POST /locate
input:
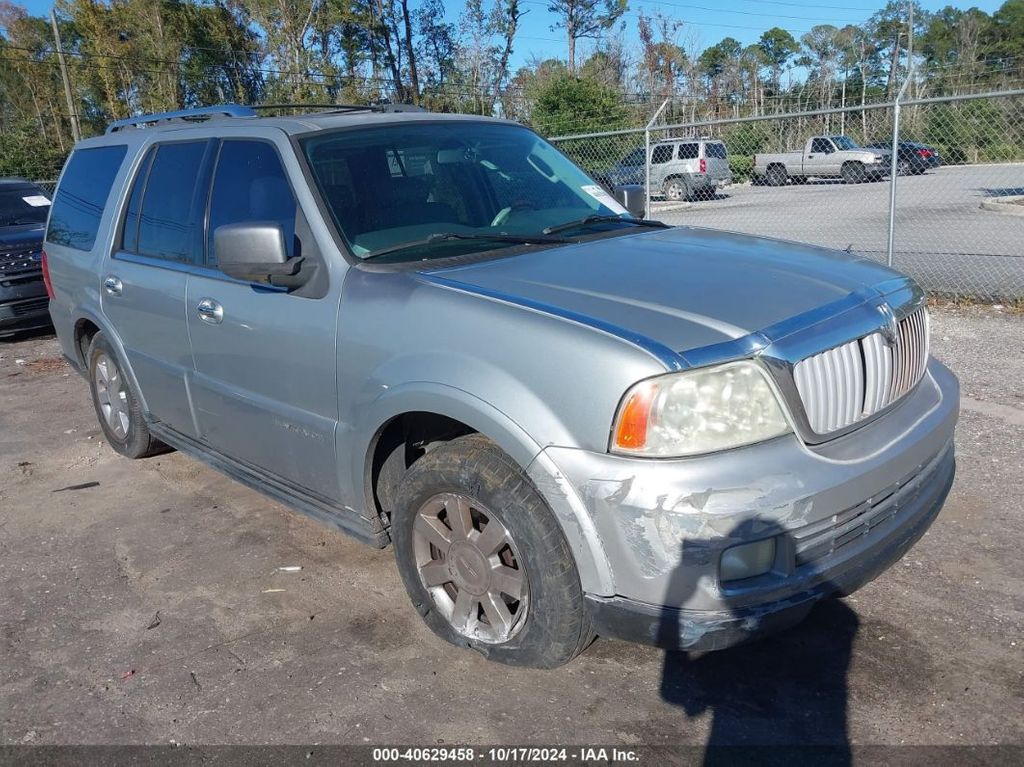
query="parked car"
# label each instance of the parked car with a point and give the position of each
(23, 301)
(823, 157)
(435, 332)
(913, 157)
(680, 168)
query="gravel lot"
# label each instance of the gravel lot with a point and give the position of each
(943, 237)
(141, 602)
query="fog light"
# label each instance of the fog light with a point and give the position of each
(748, 560)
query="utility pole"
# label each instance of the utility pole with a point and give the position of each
(76, 132)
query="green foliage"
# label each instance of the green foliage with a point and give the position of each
(26, 152)
(742, 167)
(568, 104)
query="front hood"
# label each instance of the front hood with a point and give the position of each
(684, 288)
(20, 237)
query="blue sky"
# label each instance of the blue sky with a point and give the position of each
(706, 21)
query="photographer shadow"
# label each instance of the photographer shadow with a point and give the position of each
(788, 691)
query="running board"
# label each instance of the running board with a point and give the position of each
(347, 521)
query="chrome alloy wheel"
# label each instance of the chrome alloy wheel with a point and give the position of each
(468, 562)
(112, 395)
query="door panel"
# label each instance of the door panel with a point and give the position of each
(149, 316)
(264, 386)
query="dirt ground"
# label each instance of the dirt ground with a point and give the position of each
(142, 602)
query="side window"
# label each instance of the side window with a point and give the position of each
(661, 154)
(250, 185)
(130, 230)
(822, 145)
(636, 157)
(689, 151)
(81, 196)
(169, 222)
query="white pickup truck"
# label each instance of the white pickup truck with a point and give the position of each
(823, 157)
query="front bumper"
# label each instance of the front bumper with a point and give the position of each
(840, 513)
(24, 305)
(695, 630)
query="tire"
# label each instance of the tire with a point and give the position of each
(676, 189)
(777, 176)
(853, 173)
(545, 622)
(903, 168)
(117, 404)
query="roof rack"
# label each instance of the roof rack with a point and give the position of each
(202, 113)
(237, 110)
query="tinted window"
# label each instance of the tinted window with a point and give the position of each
(250, 185)
(636, 157)
(130, 231)
(821, 145)
(22, 204)
(82, 193)
(661, 154)
(715, 150)
(168, 223)
(689, 151)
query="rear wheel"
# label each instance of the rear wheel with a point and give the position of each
(853, 173)
(777, 175)
(484, 560)
(903, 168)
(676, 189)
(117, 405)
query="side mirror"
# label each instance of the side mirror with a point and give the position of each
(255, 251)
(632, 198)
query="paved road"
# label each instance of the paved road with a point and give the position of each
(943, 237)
(140, 602)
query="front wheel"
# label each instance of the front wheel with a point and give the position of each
(485, 561)
(853, 173)
(777, 176)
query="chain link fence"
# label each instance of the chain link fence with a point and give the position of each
(955, 203)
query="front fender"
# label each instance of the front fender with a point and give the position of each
(485, 418)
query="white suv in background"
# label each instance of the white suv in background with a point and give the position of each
(680, 168)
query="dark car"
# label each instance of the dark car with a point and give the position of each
(24, 304)
(913, 158)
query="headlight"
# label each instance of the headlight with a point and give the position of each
(698, 411)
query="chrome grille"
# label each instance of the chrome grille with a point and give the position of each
(857, 379)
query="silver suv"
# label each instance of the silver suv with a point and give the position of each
(680, 168)
(435, 332)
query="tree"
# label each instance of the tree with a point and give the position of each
(584, 18)
(569, 104)
(778, 46)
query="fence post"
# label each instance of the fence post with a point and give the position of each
(647, 159)
(894, 163)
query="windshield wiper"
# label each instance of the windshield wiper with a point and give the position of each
(598, 218)
(522, 239)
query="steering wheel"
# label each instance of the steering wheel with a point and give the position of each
(504, 213)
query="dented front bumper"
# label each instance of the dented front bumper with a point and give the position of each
(840, 514)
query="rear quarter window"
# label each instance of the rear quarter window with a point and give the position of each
(715, 150)
(689, 151)
(82, 194)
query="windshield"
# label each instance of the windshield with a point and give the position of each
(844, 142)
(22, 204)
(390, 188)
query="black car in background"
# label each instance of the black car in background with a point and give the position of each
(24, 304)
(913, 158)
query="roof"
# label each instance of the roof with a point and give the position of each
(234, 116)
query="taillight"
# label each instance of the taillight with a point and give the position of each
(703, 165)
(46, 275)
(924, 152)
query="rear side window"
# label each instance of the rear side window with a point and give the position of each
(83, 191)
(250, 185)
(689, 151)
(168, 222)
(715, 150)
(661, 154)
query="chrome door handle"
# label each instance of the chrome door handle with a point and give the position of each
(112, 286)
(210, 311)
